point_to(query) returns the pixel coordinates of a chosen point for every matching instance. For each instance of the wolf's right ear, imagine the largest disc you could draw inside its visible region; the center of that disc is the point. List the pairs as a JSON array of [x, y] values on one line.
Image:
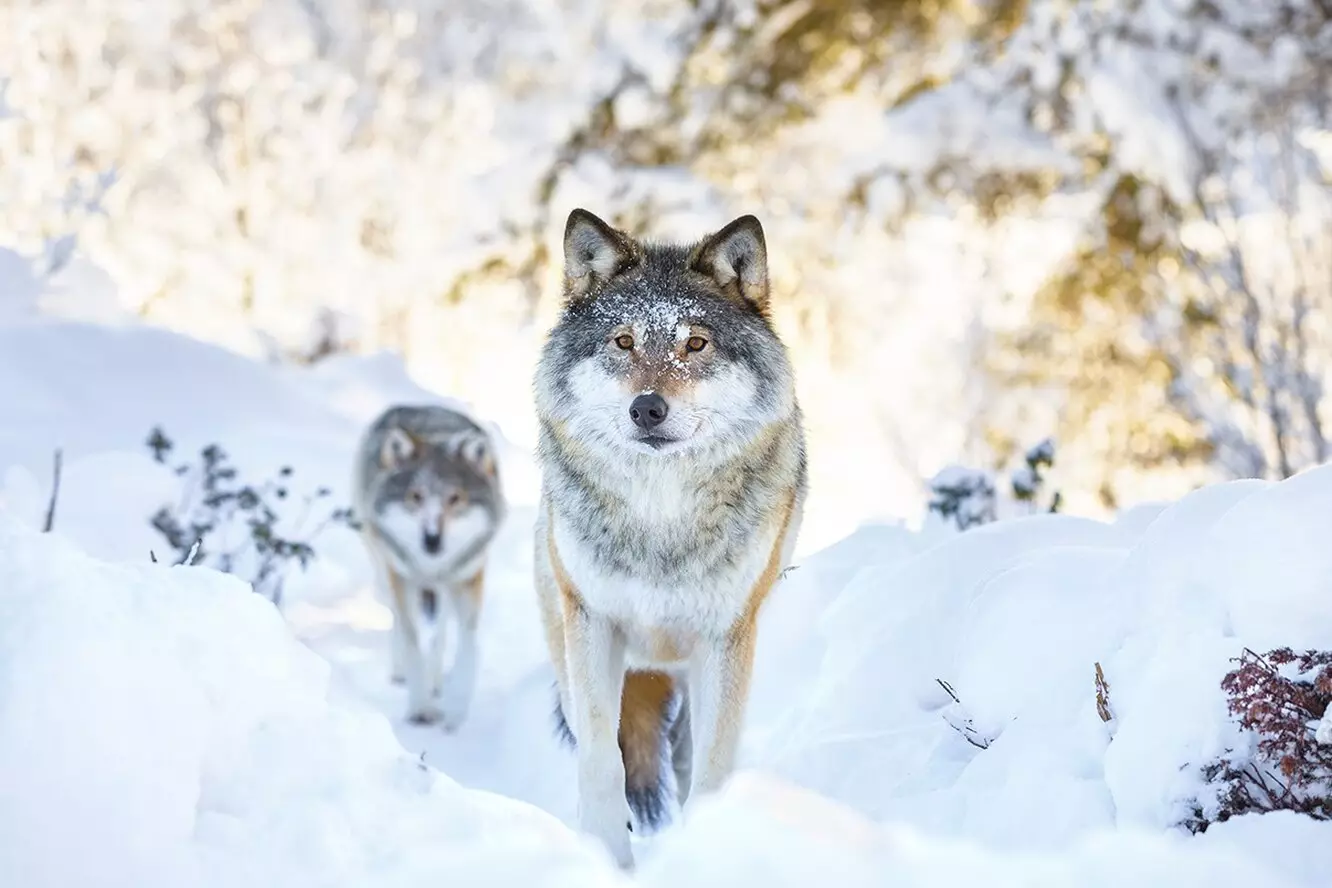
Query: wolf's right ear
[[477, 453], [593, 252], [398, 447], [736, 258]]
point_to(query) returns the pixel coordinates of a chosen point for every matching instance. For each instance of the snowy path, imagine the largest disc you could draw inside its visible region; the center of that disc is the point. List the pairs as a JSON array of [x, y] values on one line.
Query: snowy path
[[507, 744]]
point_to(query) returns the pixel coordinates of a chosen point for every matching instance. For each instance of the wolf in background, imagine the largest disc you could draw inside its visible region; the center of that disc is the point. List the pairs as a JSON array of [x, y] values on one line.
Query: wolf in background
[[427, 492], [672, 454]]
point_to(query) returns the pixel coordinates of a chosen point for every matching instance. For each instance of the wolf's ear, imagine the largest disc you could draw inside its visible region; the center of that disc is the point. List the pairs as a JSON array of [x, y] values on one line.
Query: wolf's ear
[[476, 452], [398, 447], [593, 252], [737, 259]]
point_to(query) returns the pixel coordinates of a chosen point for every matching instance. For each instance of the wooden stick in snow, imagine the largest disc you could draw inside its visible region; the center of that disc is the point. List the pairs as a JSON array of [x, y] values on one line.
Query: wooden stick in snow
[[55, 493]]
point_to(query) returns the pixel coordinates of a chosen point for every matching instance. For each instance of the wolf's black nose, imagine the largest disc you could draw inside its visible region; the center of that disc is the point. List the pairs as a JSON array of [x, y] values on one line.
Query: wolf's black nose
[[432, 542], [648, 411]]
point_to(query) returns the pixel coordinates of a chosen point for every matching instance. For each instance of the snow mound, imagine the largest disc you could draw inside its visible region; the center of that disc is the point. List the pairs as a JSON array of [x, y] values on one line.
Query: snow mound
[[762, 831], [160, 726], [951, 687]]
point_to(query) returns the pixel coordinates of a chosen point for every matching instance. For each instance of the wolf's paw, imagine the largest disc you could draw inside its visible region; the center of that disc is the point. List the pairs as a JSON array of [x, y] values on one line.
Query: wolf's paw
[[611, 822], [425, 714], [620, 849]]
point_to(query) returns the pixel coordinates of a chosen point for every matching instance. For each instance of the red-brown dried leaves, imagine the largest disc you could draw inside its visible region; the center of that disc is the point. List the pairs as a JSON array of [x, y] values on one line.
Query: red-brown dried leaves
[[1280, 697]]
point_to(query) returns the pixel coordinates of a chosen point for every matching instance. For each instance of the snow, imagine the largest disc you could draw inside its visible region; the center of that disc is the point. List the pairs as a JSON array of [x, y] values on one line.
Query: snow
[[923, 709], [162, 727], [779, 835]]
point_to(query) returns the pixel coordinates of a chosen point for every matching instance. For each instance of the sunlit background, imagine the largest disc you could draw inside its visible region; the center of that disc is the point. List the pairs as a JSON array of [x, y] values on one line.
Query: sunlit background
[[990, 223]]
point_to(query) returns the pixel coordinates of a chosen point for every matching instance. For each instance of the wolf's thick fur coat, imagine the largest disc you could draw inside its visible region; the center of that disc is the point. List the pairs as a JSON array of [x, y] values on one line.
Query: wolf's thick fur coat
[[672, 454]]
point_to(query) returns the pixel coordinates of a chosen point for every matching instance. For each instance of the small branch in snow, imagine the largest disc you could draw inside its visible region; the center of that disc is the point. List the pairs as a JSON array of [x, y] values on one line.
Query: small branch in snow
[[1102, 696], [969, 733], [193, 553], [55, 493], [965, 727], [152, 556], [240, 522]]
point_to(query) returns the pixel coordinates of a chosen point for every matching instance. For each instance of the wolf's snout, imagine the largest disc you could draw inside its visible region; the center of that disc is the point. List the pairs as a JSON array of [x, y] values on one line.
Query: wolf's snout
[[648, 411], [432, 543]]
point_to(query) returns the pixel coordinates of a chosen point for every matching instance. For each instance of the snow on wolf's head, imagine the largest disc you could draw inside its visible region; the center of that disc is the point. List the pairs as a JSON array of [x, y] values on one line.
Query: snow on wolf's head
[[663, 349]]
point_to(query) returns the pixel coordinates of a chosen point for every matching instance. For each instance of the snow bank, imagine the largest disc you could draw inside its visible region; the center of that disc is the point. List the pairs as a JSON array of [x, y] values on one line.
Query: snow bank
[[96, 392], [160, 726], [952, 689], [766, 832]]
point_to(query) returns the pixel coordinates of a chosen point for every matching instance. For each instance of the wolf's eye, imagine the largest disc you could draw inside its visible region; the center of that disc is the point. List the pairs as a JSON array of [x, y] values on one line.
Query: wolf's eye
[[696, 344], [455, 500], [414, 498], [624, 341]]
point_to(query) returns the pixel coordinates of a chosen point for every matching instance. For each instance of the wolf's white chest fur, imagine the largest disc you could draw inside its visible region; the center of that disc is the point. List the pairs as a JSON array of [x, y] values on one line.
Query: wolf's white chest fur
[[662, 619]]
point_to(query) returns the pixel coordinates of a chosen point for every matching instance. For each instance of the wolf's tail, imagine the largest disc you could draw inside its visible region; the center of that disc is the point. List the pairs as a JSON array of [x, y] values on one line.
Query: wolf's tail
[[654, 741]]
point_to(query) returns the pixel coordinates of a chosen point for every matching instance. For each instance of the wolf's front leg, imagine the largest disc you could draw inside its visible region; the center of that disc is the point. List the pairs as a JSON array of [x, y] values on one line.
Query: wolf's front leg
[[718, 687], [421, 705], [595, 653], [398, 651], [459, 686]]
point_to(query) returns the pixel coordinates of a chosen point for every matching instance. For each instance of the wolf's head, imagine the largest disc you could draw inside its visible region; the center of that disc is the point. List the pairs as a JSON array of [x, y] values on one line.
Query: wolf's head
[[436, 502], [662, 348]]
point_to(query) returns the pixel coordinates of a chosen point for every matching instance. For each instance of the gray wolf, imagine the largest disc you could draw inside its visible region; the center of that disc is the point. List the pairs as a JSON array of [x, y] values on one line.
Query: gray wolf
[[672, 454], [428, 496]]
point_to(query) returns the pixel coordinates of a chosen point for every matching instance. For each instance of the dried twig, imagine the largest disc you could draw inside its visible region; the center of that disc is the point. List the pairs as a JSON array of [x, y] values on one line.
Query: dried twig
[[969, 733], [55, 493], [966, 728], [1102, 696]]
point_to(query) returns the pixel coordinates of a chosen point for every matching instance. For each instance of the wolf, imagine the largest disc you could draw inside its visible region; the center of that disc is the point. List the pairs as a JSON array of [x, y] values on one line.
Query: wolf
[[427, 491], [673, 480]]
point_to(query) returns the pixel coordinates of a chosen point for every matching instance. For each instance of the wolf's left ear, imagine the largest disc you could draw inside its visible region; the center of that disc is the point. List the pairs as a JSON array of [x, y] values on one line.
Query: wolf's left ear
[[476, 452], [737, 259], [593, 252], [397, 448]]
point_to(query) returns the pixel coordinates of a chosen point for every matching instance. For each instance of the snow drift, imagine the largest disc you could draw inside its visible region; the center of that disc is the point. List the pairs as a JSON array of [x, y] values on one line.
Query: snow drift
[[160, 726], [951, 684]]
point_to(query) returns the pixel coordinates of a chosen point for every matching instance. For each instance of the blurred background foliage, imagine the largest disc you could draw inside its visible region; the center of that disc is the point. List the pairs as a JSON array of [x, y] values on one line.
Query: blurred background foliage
[[991, 222]]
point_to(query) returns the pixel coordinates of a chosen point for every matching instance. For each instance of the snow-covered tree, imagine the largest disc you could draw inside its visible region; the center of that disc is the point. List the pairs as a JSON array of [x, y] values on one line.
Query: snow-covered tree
[[986, 219]]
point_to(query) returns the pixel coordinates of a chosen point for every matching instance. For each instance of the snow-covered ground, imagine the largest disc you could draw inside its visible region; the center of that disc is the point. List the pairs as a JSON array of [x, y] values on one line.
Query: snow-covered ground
[[164, 726]]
